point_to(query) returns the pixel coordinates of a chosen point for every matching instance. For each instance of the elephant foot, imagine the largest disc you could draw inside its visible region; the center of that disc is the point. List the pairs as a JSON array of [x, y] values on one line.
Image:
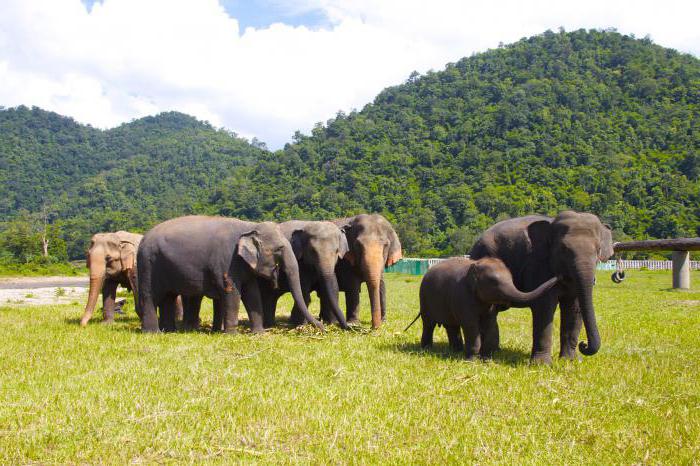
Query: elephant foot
[[257, 330], [570, 356], [108, 321], [353, 321], [541, 359]]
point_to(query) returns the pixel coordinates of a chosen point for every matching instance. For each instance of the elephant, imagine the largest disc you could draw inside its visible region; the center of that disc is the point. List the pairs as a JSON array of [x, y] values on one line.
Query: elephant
[[318, 246], [466, 294], [373, 244], [112, 261], [535, 248], [217, 257]]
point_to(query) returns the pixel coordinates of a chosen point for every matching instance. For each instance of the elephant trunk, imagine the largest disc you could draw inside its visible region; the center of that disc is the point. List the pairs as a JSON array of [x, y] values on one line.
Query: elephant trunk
[[291, 270], [329, 289], [97, 278], [584, 275], [513, 295], [373, 266]]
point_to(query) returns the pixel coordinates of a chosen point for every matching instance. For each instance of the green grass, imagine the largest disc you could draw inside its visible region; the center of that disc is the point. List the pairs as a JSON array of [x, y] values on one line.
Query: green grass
[[109, 394], [35, 269]]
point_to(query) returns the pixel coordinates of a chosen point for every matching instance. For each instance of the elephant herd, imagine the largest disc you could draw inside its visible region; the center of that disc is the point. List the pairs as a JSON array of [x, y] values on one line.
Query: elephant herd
[[231, 260], [534, 261]]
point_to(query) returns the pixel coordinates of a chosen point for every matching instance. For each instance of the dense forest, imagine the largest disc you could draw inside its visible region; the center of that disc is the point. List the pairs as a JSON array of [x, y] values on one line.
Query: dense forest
[[589, 120]]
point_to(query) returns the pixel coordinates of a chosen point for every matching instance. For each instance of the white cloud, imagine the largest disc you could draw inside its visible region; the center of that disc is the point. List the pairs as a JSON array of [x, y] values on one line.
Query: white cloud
[[129, 58]]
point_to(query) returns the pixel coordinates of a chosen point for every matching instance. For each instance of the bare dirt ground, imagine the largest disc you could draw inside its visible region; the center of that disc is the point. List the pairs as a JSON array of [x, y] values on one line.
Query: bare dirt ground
[[42, 290]]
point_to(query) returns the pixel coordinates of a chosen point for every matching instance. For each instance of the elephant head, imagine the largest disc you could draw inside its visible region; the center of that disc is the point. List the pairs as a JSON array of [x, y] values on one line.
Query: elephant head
[[110, 256], [266, 251], [491, 281], [373, 245], [576, 241], [318, 246]]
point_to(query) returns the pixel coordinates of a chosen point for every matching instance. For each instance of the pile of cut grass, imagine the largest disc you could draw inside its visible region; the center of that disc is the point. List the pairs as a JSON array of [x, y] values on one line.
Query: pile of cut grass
[[109, 394]]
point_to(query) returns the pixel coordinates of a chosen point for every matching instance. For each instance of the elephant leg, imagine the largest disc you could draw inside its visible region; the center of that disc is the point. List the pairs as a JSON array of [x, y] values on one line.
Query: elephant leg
[[109, 295], [269, 298], [190, 308], [426, 339], [166, 318], [570, 327], [490, 338], [217, 324], [382, 298], [179, 311], [542, 318], [326, 314], [228, 307], [472, 337], [454, 336], [253, 305], [352, 304]]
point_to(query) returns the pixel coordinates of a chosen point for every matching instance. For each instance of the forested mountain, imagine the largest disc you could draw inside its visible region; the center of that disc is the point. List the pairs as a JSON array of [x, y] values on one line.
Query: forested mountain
[[129, 177], [590, 120]]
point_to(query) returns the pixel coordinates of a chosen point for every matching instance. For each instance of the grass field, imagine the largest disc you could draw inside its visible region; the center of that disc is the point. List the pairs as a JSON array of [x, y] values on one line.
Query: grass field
[[112, 395]]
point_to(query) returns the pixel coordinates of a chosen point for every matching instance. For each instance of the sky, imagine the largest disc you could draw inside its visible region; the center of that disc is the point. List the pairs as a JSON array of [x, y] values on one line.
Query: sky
[[267, 68]]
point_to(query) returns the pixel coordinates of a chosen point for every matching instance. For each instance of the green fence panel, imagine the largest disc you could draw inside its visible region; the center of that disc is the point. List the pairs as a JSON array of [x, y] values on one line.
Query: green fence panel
[[410, 266]]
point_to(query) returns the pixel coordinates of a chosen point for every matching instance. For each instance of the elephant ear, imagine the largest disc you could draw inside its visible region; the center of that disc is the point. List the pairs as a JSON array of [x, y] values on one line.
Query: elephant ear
[[249, 249], [127, 255], [606, 244], [540, 234], [394, 249], [347, 233], [343, 248], [297, 242]]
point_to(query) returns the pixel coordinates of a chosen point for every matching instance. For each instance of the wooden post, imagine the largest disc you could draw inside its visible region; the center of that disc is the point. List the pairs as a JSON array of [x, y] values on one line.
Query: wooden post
[[680, 255], [681, 269]]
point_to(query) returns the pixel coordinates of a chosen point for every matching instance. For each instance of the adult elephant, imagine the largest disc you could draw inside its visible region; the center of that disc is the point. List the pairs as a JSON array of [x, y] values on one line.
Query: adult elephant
[[373, 244], [536, 248], [217, 257], [317, 246], [111, 259]]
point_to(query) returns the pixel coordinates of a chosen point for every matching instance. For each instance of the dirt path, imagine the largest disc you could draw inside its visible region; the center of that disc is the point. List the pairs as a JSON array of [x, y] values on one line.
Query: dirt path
[[22, 291], [23, 283]]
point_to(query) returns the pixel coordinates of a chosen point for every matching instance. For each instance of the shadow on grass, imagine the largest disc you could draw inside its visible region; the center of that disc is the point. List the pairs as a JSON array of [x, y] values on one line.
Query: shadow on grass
[[132, 324], [505, 355]]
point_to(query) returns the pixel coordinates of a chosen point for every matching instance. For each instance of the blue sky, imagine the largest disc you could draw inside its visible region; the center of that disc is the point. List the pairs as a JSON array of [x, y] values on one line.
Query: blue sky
[[261, 13], [267, 68]]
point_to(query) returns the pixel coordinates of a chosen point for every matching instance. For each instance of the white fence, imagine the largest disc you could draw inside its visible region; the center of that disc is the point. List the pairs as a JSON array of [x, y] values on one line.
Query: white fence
[[419, 266], [651, 265]]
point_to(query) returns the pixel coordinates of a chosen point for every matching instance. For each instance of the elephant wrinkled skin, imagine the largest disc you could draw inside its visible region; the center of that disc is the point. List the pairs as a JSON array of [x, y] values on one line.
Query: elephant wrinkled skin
[[221, 258], [465, 295], [373, 244], [111, 260], [535, 248]]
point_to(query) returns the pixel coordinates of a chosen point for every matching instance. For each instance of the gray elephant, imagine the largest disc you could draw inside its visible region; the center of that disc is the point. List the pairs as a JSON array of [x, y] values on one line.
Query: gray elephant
[[535, 248], [111, 259], [373, 244], [464, 294], [318, 246], [221, 258]]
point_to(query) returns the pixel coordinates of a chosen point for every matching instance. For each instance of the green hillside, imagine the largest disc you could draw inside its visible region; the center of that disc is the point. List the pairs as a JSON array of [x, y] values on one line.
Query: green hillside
[[130, 177], [589, 120], [593, 120]]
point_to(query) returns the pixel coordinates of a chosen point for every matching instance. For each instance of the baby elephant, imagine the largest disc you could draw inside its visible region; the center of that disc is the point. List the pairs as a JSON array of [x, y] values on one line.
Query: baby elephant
[[466, 294]]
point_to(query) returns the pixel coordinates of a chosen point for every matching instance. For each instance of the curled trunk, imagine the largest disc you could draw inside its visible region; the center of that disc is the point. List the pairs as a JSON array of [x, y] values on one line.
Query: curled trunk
[[510, 294], [291, 269], [584, 279]]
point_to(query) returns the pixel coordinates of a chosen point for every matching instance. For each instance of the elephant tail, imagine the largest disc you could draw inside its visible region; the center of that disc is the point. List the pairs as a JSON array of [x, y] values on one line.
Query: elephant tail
[[412, 322]]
